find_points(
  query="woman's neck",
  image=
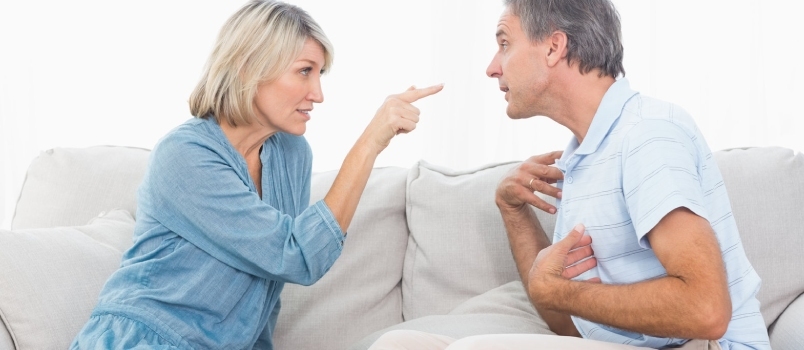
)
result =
(246, 139)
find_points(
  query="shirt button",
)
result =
(569, 180)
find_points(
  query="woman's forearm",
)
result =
(345, 192)
(396, 116)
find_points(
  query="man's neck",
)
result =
(580, 100)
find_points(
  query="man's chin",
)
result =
(515, 114)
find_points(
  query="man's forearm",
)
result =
(527, 238)
(663, 307)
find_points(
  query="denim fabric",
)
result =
(641, 159)
(210, 257)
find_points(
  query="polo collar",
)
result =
(608, 112)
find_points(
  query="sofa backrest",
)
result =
(70, 186)
(458, 247)
(424, 239)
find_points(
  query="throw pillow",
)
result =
(70, 186)
(766, 189)
(51, 277)
(458, 247)
(361, 293)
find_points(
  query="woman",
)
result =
(223, 218)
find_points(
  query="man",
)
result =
(665, 267)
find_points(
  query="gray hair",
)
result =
(257, 44)
(592, 28)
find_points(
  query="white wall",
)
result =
(90, 72)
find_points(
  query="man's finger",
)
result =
(547, 158)
(566, 244)
(413, 95)
(584, 241)
(576, 270)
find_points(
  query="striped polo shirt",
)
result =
(641, 159)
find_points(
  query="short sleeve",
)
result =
(661, 172)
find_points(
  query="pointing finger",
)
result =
(413, 94)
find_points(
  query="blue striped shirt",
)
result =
(641, 159)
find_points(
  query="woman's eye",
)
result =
(306, 71)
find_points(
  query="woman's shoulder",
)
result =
(191, 139)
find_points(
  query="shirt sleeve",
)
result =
(661, 172)
(195, 192)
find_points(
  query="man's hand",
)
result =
(565, 259)
(534, 174)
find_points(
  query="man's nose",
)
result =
(494, 70)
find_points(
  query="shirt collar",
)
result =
(607, 113)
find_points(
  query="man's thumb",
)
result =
(573, 237)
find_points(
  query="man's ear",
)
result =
(557, 44)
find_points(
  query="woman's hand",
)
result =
(396, 116)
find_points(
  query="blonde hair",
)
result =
(257, 44)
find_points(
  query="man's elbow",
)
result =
(714, 321)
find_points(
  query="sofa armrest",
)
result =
(788, 331)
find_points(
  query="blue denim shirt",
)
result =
(210, 257)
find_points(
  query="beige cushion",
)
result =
(361, 293)
(766, 189)
(502, 310)
(788, 331)
(458, 247)
(70, 186)
(51, 277)
(5, 339)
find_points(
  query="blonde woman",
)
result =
(223, 217)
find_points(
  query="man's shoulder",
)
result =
(642, 107)
(647, 115)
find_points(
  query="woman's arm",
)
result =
(396, 115)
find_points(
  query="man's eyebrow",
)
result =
(500, 33)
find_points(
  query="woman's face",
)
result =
(285, 103)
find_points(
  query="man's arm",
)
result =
(691, 302)
(525, 234)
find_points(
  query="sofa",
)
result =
(426, 250)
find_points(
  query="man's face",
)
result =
(519, 68)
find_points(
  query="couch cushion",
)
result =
(502, 310)
(51, 277)
(788, 331)
(458, 247)
(70, 186)
(361, 292)
(766, 190)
